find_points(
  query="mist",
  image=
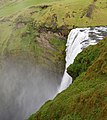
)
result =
(24, 87)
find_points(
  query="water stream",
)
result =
(78, 39)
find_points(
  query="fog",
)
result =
(24, 87)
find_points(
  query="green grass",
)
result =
(5, 32)
(19, 6)
(20, 22)
(74, 12)
(86, 98)
(83, 61)
(57, 43)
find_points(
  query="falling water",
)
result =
(79, 39)
(24, 87)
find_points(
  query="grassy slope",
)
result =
(19, 5)
(19, 34)
(20, 21)
(68, 12)
(86, 98)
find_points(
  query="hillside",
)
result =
(86, 98)
(20, 36)
(39, 27)
(75, 13)
(38, 30)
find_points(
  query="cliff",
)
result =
(38, 29)
(85, 99)
(32, 27)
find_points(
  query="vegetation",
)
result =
(83, 61)
(20, 35)
(25, 25)
(86, 98)
(76, 13)
(45, 15)
(38, 29)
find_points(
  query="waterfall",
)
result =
(78, 39)
(26, 85)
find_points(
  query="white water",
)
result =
(79, 39)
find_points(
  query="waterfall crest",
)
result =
(78, 39)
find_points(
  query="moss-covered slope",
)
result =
(86, 98)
